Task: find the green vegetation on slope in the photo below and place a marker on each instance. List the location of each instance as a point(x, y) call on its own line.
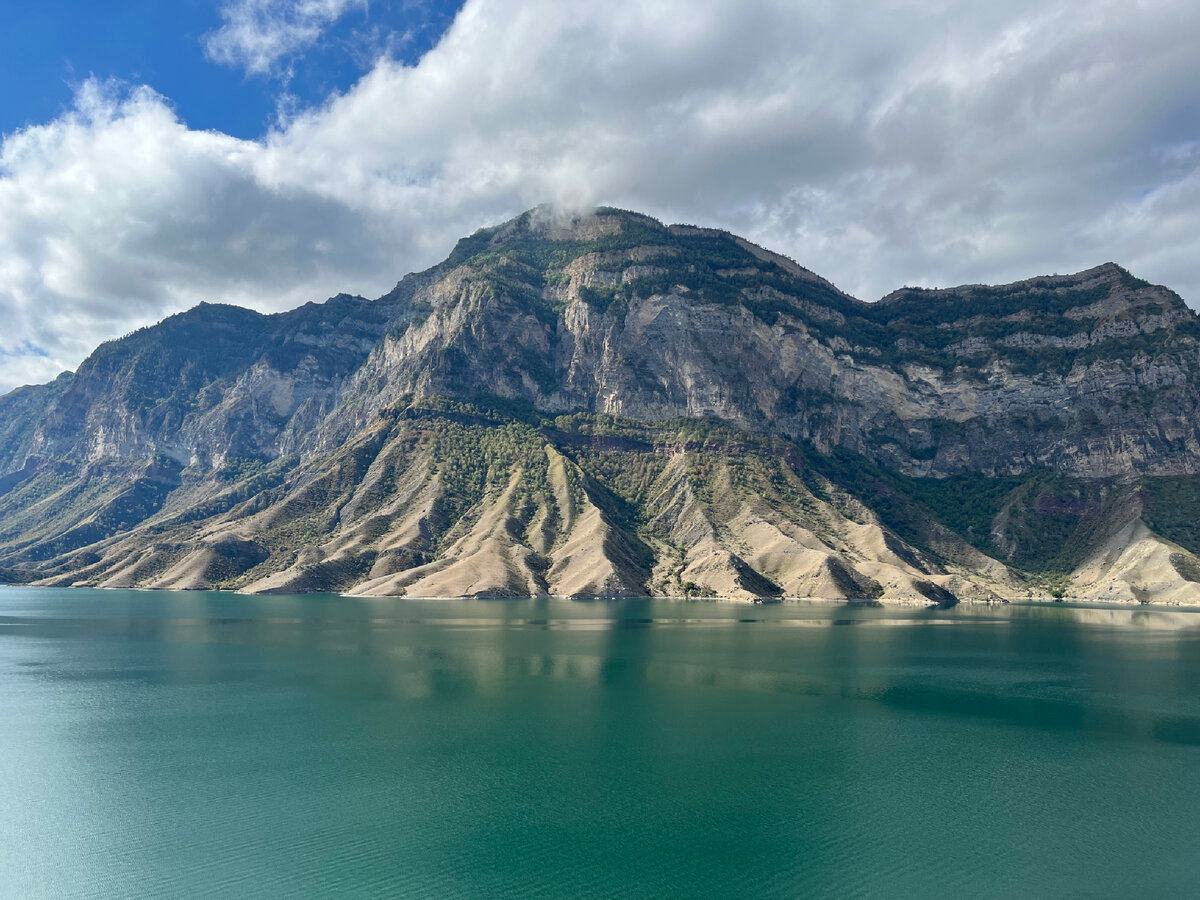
point(1044, 523)
point(1172, 509)
point(636, 474)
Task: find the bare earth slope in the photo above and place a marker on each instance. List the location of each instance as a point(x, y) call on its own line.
point(607, 406)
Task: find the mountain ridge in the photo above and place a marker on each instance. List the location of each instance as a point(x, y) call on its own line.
point(606, 405)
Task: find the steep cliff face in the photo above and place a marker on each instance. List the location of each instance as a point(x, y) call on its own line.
point(607, 405)
point(213, 382)
point(1092, 374)
point(21, 414)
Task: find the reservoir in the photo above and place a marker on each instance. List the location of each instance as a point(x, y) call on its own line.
point(163, 744)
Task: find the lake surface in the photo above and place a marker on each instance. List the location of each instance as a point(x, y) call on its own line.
point(203, 744)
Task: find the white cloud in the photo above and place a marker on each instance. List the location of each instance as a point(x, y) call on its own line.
point(117, 214)
point(877, 143)
point(257, 34)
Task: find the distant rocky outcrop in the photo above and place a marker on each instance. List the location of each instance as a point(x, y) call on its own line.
point(607, 406)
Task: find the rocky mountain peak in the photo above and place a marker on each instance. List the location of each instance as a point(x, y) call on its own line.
point(571, 397)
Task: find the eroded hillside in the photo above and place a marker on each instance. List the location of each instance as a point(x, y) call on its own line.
point(606, 406)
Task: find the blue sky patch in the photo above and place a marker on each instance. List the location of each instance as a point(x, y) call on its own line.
point(48, 48)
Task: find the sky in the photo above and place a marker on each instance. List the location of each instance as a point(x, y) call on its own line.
point(266, 153)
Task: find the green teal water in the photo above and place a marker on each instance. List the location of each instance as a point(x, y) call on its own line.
point(201, 744)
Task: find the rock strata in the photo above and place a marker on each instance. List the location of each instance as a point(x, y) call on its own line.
point(608, 406)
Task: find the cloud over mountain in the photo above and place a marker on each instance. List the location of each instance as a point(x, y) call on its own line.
point(879, 144)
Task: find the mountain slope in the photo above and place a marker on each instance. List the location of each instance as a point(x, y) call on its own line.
point(604, 405)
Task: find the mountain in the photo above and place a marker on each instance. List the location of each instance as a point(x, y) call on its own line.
point(601, 405)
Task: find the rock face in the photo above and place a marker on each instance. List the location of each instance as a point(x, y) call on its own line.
point(605, 405)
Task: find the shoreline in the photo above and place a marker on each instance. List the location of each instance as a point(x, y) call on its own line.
point(881, 602)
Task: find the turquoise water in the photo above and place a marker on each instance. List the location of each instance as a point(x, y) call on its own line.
point(199, 744)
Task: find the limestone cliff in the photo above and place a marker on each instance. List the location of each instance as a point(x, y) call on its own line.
point(604, 405)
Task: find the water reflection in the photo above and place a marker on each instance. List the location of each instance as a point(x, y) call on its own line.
point(178, 744)
point(1113, 671)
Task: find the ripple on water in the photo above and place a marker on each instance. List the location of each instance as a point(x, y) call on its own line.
point(170, 745)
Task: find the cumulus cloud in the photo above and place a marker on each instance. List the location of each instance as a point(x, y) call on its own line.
point(257, 34)
point(117, 214)
point(879, 144)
